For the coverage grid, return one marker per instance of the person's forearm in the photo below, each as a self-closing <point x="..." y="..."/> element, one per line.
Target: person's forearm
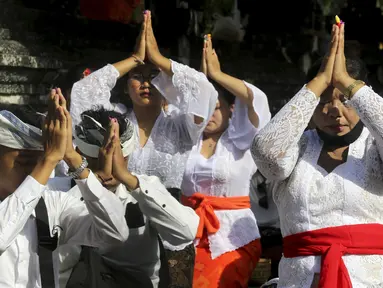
<point x="317" y="85"/>
<point x="43" y="170"/>
<point x="124" y="66"/>
<point x="235" y="86"/>
<point x="130" y="181"/>
<point x="163" y="63"/>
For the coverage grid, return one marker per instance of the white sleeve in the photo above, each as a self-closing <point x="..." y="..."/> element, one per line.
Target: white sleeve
<point x="93" y="90"/>
<point x="16" y="209"/>
<point x="276" y="147"/>
<point x="188" y="93"/>
<point x="369" y="106"/>
<point x="175" y="223"/>
<point x="241" y="130"/>
<point x="104" y="221"/>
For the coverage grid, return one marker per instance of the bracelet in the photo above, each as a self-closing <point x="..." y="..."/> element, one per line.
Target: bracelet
<point x="75" y="173"/>
<point x="347" y="93"/>
<point x="138" y="60"/>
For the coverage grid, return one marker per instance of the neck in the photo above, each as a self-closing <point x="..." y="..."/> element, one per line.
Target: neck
<point x="212" y="137"/>
<point x="338" y="153"/>
<point x="146" y="116"/>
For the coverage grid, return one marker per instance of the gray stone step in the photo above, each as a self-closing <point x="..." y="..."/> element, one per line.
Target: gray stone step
<point x="12" y="60"/>
<point x="23" y="99"/>
<point x="10" y="75"/>
<point x="23" y="89"/>
<point x="18" y="48"/>
<point x="7" y="34"/>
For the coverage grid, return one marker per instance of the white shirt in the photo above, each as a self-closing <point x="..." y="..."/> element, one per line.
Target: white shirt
<point x="151" y="211"/>
<point x="227" y="174"/>
<point x="68" y="215"/>
<point x="266" y="217"/>
<point x="309" y="198"/>
<point x="188" y="93"/>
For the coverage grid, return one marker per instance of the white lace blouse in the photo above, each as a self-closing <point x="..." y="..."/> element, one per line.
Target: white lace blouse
<point x="188" y="93"/>
<point x="227" y="174"/>
<point x="309" y="198"/>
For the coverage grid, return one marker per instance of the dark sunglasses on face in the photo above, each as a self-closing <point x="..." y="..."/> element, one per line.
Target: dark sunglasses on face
<point x="142" y="78"/>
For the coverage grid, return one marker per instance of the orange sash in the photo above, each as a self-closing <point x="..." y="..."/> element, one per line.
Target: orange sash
<point x="204" y="206"/>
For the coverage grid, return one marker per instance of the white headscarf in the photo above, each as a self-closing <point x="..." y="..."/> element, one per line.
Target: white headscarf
<point x="16" y="134"/>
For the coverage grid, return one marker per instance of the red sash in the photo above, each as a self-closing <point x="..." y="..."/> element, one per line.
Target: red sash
<point x="332" y="243"/>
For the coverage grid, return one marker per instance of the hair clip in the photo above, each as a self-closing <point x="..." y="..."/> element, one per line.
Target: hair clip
<point x="86" y="72"/>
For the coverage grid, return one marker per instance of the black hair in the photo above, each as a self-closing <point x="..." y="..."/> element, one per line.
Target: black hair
<point x="101" y="115"/>
<point x="356" y="68"/>
<point x="223" y="93"/>
<point x="25" y="113"/>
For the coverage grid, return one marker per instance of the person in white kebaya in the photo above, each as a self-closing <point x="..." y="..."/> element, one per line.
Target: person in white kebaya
<point x="328" y="182"/>
<point x="217" y="179"/>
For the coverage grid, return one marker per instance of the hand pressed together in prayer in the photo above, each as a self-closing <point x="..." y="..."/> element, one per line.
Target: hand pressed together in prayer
<point x="55" y="138"/>
<point x="340" y="78"/>
<point x="140" y="50"/>
<point x="120" y="171"/>
<point x="333" y="71"/>
<point x="112" y="167"/>
<point x="213" y="67"/>
<point x="105" y="157"/>
<point x="147" y="47"/>
<point x="55" y="131"/>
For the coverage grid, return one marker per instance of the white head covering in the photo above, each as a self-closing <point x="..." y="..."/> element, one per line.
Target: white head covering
<point x="128" y="139"/>
<point x="16" y="134"/>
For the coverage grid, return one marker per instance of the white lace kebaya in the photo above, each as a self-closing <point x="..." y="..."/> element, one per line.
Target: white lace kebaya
<point x="227" y="174"/>
<point x="309" y="198"/>
<point x="188" y="93"/>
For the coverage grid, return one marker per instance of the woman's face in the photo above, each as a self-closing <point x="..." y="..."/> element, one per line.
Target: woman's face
<point x="219" y="121"/>
<point x="140" y="89"/>
<point x="333" y="115"/>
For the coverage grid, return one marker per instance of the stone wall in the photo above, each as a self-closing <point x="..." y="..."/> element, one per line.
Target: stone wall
<point x="37" y="47"/>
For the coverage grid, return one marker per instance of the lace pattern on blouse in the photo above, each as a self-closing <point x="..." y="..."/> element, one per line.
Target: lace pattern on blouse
<point x="275" y="149"/>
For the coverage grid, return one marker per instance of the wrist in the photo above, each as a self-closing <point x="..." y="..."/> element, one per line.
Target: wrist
<point x="43" y="169"/>
<point x="73" y="159"/>
<point x="48" y="161"/>
<point x="343" y="83"/>
<point x="137" y="59"/>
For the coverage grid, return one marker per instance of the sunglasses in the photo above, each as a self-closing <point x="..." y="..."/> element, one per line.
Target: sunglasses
<point x="142" y="78"/>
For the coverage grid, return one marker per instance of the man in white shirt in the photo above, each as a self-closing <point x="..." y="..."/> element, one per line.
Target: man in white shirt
<point x="26" y="162"/>
<point x="266" y="213"/>
<point x="151" y="211"/>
